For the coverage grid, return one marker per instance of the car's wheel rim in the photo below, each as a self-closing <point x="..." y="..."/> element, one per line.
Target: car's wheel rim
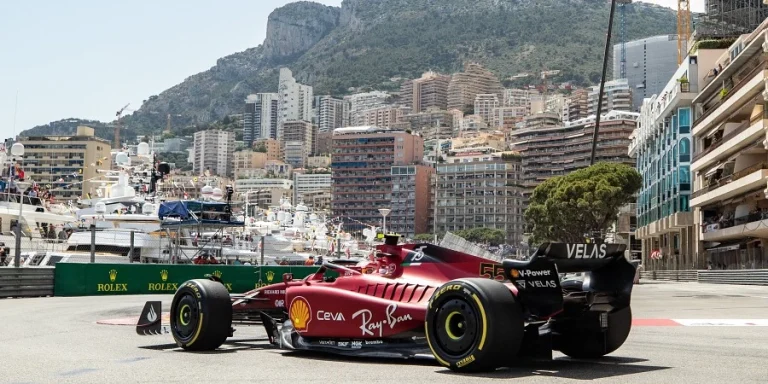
<point x="456" y="327"/>
<point x="186" y="317"/>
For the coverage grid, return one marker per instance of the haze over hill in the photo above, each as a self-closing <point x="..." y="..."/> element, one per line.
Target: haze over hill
<point x="369" y="44"/>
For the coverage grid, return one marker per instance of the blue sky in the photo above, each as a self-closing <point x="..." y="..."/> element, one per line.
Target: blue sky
<point x="88" y="58"/>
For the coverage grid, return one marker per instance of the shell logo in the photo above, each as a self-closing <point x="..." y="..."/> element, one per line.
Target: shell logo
<point x="515" y="273"/>
<point x="299" y="313"/>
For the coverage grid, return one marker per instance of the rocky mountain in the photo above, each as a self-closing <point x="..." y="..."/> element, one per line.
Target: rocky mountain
<point x="375" y="44"/>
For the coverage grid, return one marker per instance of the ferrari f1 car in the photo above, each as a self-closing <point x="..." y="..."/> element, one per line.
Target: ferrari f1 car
<point x="470" y="313"/>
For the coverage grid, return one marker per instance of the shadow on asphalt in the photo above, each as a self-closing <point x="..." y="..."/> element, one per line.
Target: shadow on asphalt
<point x="567" y="368"/>
<point x="562" y="367"/>
<point x="231" y="346"/>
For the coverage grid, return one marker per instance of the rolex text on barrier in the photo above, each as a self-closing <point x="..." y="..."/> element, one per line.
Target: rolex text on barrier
<point x="73" y="279"/>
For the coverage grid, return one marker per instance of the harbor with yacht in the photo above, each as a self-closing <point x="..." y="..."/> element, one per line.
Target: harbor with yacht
<point x="131" y="218"/>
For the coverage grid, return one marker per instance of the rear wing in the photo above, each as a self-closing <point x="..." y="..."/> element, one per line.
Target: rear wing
<point x="608" y="273"/>
<point x="580" y="257"/>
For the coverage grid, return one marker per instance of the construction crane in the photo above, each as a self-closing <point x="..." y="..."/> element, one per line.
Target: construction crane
<point x="117" y="127"/>
<point x="622" y="4"/>
<point x="168" y="125"/>
<point x="683" y="29"/>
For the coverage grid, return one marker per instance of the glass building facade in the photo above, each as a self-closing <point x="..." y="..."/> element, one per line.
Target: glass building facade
<point x="665" y="164"/>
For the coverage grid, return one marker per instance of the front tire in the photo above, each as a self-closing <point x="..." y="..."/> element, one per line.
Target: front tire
<point x="201" y="315"/>
<point x="590" y="345"/>
<point x="474" y="325"/>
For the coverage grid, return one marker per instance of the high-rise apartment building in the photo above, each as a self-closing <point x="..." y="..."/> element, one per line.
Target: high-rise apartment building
<point x="385" y="117"/>
<point x="64" y="162"/>
<point x="430" y="90"/>
<point x="355" y="106"/>
<point x="554" y="151"/>
<point x="214" y="151"/>
<point x="617" y="96"/>
<point x="410" y="199"/>
<point x="465" y="86"/>
<point x="301" y="132"/>
<point x="329" y="113"/>
<point x="433" y="121"/>
<point x="304" y="183"/>
<point x="481" y="194"/>
<point x="484" y="106"/>
<point x="506" y="118"/>
<point x="730" y="157"/>
<point x="650" y="63"/>
<point x="260" y="117"/>
<point x="578" y="105"/>
<point x="518" y="98"/>
<point x="662" y="147"/>
<point x="363" y="160"/>
<point x="294" y="101"/>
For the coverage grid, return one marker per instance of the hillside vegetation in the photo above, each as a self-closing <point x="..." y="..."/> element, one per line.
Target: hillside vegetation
<point x="375" y="44"/>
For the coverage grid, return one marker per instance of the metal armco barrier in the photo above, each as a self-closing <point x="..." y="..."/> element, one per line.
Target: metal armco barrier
<point x="26" y="282"/>
<point x="74" y="279"/>
<point x="738" y="277"/>
<point x="683" y="275"/>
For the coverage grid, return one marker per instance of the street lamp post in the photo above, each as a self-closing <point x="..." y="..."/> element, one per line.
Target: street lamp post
<point x="17" y="151"/>
<point x="384" y="212"/>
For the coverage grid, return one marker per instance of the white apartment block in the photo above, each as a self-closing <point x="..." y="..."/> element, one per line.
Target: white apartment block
<point x="507" y="117"/>
<point x="617" y="96"/>
<point x="214" y="151"/>
<point x="484" y="106"/>
<point x="304" y="183"/>
<point x="384" y="116"/>
<point x="355" y="105"/>
<point x="472" y="124"/>
<point x="518" y="98"/>
<point x="294" y="100"/>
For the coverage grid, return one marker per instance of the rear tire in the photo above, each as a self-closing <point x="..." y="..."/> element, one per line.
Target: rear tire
<point x="474" y="325"/>
<point x="201" y="315"/>
<point x="590" y="345"/>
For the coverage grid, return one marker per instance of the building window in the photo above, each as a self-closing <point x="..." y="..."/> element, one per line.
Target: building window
<point x="685" y="178"/>
<point x="685" y="150"/>
<point x="685" y="120"/>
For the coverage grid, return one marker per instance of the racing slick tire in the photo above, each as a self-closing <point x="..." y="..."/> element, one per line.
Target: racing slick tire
<point x="201" y="315"/>
<point x="474" y="325"/>
<point x="590" y="345"/>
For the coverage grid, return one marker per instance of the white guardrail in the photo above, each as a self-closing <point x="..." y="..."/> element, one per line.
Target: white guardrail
<point x="26" y="282"/>
<point x="738" y="277"/>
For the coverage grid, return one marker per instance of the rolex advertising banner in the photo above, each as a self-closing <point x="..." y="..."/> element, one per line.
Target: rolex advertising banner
<point x="73" y="279"/>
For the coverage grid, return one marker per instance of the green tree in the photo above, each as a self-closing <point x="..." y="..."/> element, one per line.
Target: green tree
<point x="483" y="235"/>
<point x="424" y="237"/>
<point x="260" y="147"/>
<point x="566" y="208"/>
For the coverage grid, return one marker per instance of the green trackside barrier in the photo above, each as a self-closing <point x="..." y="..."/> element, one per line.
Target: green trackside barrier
<point x="74" y="279"/>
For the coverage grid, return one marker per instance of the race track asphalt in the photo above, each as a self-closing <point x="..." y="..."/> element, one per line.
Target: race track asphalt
<point x="57" y="340"/>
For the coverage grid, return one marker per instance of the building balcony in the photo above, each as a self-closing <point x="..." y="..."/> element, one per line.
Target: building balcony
<point x="739" y="94"/>
<point x="738" y="183"/>
<point x="712" y="84"/>
<point x="731" y="143"/>
<point x="752" y="225"/>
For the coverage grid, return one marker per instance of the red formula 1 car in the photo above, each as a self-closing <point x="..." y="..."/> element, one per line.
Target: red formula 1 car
<point x="470" y="313"/>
